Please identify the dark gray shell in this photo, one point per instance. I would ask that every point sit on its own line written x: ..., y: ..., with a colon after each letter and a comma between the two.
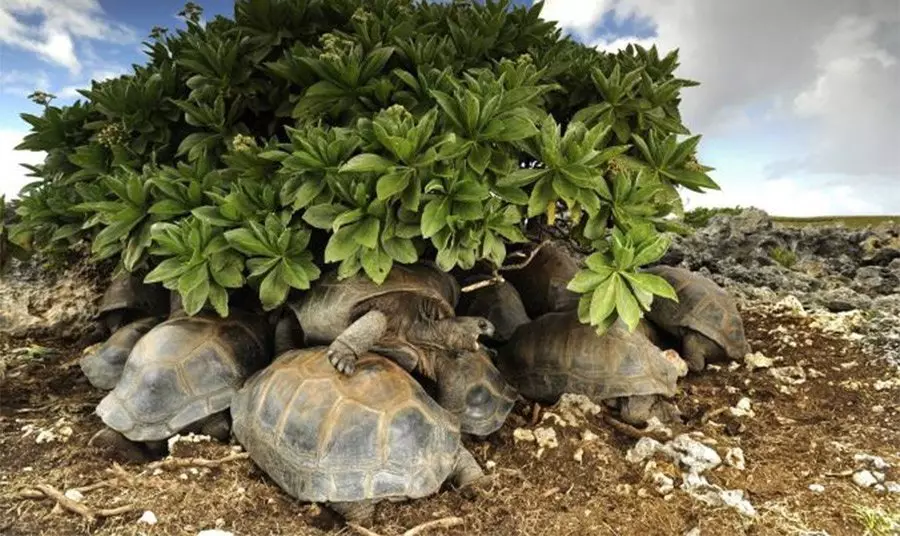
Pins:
x: 331, y: 305
x: 181, y: 372
x: 557, y: 354
x: 326, y: 437
x: 104, y: 366
x: 501, y: 304
x: 472, y: 388
x: 542, y: 283
x: 129, y: 292
x: 702, y: 306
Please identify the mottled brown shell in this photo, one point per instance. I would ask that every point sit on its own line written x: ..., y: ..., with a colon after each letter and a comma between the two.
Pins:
x: 557, y: 354
x: 130, y: 292
x: 542, y: 283
x: 327, y: 437
x: 703, y: 306
x: 181, y: 372
x: 501, y: 304
x: 471, y: 388
x: 331, y: 305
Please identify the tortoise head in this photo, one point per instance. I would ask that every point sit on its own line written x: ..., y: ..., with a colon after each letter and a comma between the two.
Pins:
x: 462, y: 333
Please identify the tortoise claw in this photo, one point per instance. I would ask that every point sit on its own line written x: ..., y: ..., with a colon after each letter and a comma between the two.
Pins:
x: 343, y: 359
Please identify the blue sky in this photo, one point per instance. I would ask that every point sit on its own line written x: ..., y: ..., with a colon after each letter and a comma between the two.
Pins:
x: 798, y: 102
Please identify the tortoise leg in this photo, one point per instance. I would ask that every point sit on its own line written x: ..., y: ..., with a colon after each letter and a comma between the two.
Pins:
x: 638, y: 409
x: 698, y: 349
x: 287, y: 335
x: 216, y: 426
x: 361, y: 512
x: 467, y: 470
x: 356, y: 340
x: 114, y: 444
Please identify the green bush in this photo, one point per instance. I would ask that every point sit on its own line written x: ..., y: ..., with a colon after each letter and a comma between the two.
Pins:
x: 302, y: 135
x: 783, y: 256
x: 700, y: 216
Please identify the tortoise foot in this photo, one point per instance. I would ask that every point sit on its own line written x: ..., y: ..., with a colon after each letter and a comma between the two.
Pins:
x: 342, y: 357
x: 362, y: 512
x: 217, y: 427
x: 116, y: 446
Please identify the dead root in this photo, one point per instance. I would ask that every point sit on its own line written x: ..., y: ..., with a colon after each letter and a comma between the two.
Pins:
x: 443, y: 523
x: 495, y: 280
x: 527, y: 261
x: 170, y: 463
x: 631, y: 431
x: 46, y: 491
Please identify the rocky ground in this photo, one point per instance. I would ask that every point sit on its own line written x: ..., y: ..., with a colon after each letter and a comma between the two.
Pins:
x: 801, y: 438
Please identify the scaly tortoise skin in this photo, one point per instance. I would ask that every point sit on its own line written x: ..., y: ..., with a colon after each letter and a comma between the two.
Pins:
x: 557, y: 354
x: 327, y: 437
x: 703, y: 307
x: 542, y: 282
x: 183, y: 371
x: 103, y: 366
x: 408, y: 317
x: 501, y: 304
x: 471, y: 388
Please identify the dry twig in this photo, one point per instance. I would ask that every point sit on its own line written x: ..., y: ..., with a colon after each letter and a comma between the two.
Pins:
x: 631, y: 431
x: 362, y: 530
x: 196, y: 462
x: 46, y: 491
x: 527, y: 261
x: 444, y: 523
x: 496, y: 280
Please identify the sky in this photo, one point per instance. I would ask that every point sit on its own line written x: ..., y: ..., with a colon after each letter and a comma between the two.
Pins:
x: 799, y: 102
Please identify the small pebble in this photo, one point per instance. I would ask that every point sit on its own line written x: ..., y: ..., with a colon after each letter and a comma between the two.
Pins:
x: 27, y: 469
x: 735, y: 458
x: 579, y: 455
x: 74, y: 495
x: 183, y: 476
x: 157, y: 472
x: 864, y: 479
x: 892, y: 487
x: 587, y: 435
x: 490, y: 464
x: 523, y: 434
x: 816, y: 488
x: 148, y: 518
x: 877, y: 409
x: 214, y: 532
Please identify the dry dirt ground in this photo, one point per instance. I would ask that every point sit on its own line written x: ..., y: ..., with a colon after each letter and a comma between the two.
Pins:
x: 798, y: 435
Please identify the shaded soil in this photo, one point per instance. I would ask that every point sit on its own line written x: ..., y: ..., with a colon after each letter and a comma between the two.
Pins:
x: 800, y: 435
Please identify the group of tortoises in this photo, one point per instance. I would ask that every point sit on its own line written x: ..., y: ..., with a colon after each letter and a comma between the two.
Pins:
x: 358, y: 392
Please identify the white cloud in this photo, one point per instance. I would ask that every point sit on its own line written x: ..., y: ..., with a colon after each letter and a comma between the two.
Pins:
x: 12, y: 174
x: 21, y: 83
x: 71, y: 92
x: 821, y: 76
x: 61, y: 23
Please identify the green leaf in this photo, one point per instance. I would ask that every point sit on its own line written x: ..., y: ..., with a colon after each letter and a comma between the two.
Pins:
x: 391, y: 184
x: 695, y: 180
x: 247, y: 243
x: 651, y: 251
x: 479, y: 158
x: 401, y: 250
x: 274, y: 289
x: 218, y: 297
x: 626, y: 305
x: 322, y: 216
x: 366, y: 233
x: 434, y: 217
x: 341, y: 245
x: 586, y: 281
x: 653, y: 284
x: 366, y: 163
x: 376, y: 263
x: 307, y: 193
x: 603, y: 300
x: 167, y: 270
x: 522, y: 177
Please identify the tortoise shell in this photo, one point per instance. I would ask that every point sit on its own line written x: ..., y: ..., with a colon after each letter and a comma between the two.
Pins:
x: 181, y: 372
x: 332, y: 305
x: 129, y: 292
x: 103, y: 367
x: 557, y: 354
x: 501, y: 304
x: 472, y: 388
x: 542, y: 282
x: 327, y: 437
x: 703, y: 306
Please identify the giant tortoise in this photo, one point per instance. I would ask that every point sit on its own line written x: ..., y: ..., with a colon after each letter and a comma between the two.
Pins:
x: 348, y: 441
x: 705, y: 319
x: 407, y: 317
x: 500, y: 304
x: 542, y: 283
x: 180, y: 377
x: 556, y: 354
